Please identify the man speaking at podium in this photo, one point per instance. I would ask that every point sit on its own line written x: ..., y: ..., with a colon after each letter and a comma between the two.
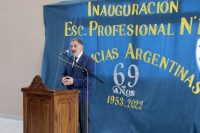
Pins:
x: 75, y: 77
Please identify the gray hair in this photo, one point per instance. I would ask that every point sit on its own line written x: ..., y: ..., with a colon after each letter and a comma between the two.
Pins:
x: 78, y: 40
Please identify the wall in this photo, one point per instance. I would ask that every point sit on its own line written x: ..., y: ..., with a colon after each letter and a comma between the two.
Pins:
x: 21, y: 48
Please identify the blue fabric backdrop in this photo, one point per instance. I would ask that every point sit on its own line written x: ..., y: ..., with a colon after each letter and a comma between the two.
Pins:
x: 162, y: 102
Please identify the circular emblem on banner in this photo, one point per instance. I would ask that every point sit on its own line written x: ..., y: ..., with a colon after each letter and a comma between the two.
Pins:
x: 198, y: 54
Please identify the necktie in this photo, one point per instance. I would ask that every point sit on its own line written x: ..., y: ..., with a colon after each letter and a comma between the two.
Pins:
x: 74, y: 61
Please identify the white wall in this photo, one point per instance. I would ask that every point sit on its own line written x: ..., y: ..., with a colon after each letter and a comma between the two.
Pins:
x: 21, y: 48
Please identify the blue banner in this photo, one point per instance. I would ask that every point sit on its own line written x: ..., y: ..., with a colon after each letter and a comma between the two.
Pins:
x: 146, y: 52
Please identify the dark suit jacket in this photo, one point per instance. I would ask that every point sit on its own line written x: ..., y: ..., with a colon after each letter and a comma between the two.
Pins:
x: 80, y: 79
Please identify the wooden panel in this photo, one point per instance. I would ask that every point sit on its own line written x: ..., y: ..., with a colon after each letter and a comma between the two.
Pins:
x: 39, y: 115
x: 64, y: 115
x: 67, y: 114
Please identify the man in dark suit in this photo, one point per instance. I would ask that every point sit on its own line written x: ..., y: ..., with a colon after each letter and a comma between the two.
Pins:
x: 75, y: 77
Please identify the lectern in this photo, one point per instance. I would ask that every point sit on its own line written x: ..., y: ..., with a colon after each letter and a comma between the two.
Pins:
x: 49, y: 111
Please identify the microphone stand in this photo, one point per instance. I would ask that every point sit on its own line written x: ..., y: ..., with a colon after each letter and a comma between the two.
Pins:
x: 87, y: 76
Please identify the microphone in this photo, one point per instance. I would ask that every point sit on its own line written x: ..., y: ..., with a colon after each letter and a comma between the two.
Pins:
x: 65, y: 52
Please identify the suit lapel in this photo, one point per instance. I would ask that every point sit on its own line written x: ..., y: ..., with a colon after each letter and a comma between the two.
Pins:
x: 70, y: 69
x: 80, y: 61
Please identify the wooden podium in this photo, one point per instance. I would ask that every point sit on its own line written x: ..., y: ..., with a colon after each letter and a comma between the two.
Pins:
x: 49, y: 111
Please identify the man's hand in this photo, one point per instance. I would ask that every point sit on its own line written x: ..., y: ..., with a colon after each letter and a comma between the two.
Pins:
x: 67, y: 80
